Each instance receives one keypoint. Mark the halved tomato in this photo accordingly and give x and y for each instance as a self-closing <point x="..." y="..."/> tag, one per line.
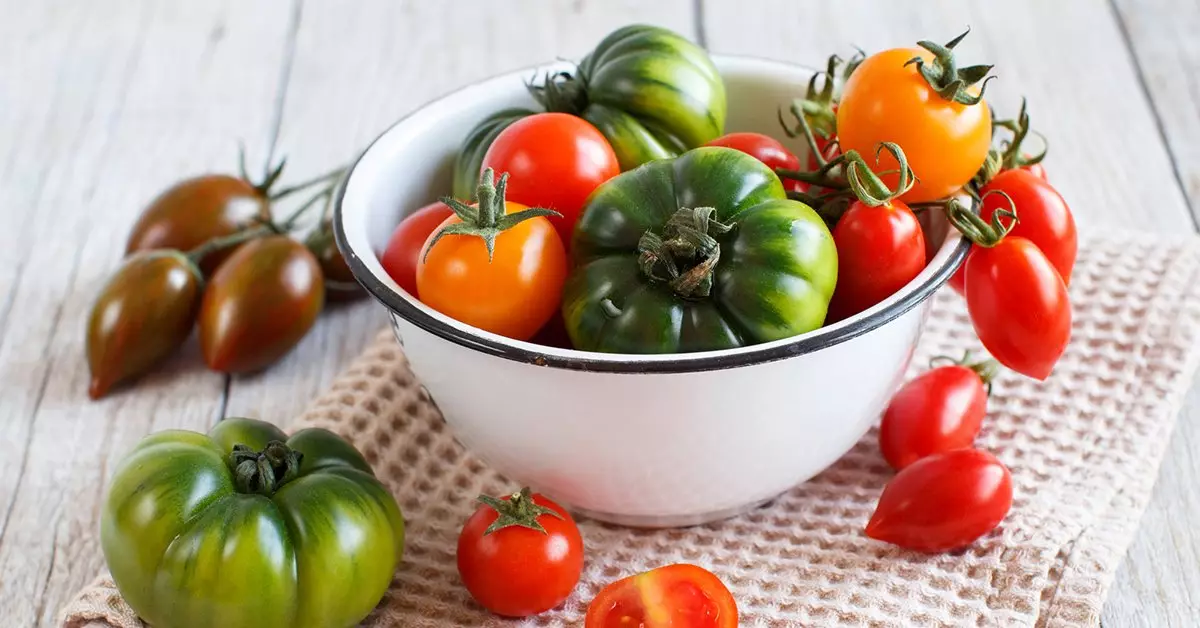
<point x="675" y="596"/>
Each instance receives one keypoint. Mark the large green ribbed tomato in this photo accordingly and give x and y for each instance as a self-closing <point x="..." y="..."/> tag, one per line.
<point x="696" y="253"/>
<point x="247" y="527"/>
<point x="651" y="92"/>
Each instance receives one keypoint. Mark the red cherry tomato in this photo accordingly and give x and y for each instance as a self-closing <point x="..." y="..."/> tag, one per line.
<point x="403" y="249"/>
<point x="1042" y="217"/>
<point x="880" y="249"/>
<point x="1037" y="170"/>
<point x="525" y="563"/>
<point x="939" y="410"/>
<point x="943" y="502"/>
<point x="675" y="596"/>
<point x="1018" y="305"/>
<point x="765" y="149"/>
<point x="554" y="161"/>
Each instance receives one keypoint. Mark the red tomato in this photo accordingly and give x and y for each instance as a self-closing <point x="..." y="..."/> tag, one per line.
<point x="1042" y="218"/>
<point x="767" y="150"/>
<point x="554" y="161"/>
<point x="403" y="249"/>
<point x="675" y="596"/>
<point x="1037" y="170"/>
<point x="880" y="249"/>
<point x="943" y="502"/>
<point x="939" y="410"/>
<point x="520" y="555"/>
<point x="1018" y="305"/>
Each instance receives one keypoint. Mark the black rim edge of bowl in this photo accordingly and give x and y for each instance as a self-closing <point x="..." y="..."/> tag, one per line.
<point x="685" y="363"/>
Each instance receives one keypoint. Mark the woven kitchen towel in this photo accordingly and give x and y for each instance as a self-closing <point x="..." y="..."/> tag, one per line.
<point x="1084" y="449"/>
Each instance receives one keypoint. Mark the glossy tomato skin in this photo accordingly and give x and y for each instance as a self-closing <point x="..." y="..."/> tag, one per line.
<point x="776" y="271"/>
<point x="885" y="101"/>
<point x="513" y="294"/>
<point x="675" y="596"/>
<point x="144" y="312"/>
<point x="403" y="251"/>
<point x="943" y="502"/>
<point x="189" y="548"/>
<point x="194" y="211"/>
<point x="517" y="571"/>
<point x="259" y="304"/>
<point x="1037" y="170"/>
<point x="469" y="162"/>
<point x="554" y="161"/>
<point x="1018" y="305"/>
<point x="880" y="249"/>
<point x="1043" y="218"/>
<point x="765" y="149"/>
<point x="939" y="410"/>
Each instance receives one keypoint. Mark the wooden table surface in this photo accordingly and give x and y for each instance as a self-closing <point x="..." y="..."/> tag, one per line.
<point x="105" y="102"/>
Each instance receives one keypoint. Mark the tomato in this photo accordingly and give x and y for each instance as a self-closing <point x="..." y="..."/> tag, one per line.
<point x="767" y="150"/>
<point x="939" y="410"/>
<point x="500" y="268"/>
<point x="143" y="313"/>
<point x="761" y="267"/>
<point x="469" y="162"/>
<point x="675" y="596"/>
<point x="340" y="284"/>
<point x="880" y="249"/>
<point x="1037" y="170"/>
<point x="196" y="210"/>
<point x="946" y="140"/>
<point x="943" y="502"/>
<point x="1042" y="218"/>
<point x="520" y="555"/>
<point x="259" y="304"/>
<point x="1018" y="305"/>
<point x="245" y="526"/>
<point x="554" y="161"/>
<point x="403" y="251"/>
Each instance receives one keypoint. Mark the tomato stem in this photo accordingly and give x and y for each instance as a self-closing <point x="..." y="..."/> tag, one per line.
<point x="288" y="191"/>
<point x="518" y="510"/>
<point x="264" y="472"/>
<point x="562" y="92"/>
<point x="213" y="245"/>
<point x="987" y="369"/>
<point x="975" y="228"/>
<point x="867" y="187"/>
<point x="488" y="218"/>
<point x="1012" y="156"/>
<point x="684" y="255"/>
<point x="946" y="78"/>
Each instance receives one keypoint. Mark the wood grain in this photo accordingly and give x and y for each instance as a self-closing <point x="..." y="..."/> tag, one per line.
<point x="105" y="103"/>
<point x="1097" y="119"/>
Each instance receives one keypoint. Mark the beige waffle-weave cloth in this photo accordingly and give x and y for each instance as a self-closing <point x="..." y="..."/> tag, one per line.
<point x="1084" y="448"/>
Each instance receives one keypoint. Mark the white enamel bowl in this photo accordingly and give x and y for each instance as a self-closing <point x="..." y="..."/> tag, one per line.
<point x="645" y="440"/>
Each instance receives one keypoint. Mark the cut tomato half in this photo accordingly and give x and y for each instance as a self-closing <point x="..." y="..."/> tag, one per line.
<point x="675" y="596"/>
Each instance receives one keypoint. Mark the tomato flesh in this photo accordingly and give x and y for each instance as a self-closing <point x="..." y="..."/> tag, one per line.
<point x="675" y="596"/>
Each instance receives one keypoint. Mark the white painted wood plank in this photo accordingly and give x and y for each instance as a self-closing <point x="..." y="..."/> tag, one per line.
<point x="105" y="103"/>
<point x="1070" y="59"/>
<point x="356" y="71"/>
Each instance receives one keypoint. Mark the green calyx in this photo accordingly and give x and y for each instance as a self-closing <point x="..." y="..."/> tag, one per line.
<point x="684" y="255"/>
<point x="518" y="510"/>
<point x="987" y="369"/>
<point x="992" y="165"/>
<point x="946" y="78"/>
<point x="562" y="92"/>
<point x="487" y="218"/>
<point x="1012" y="156"/>
<point x="975" y="228"/>
<point x="264" y="472"/>
<point x="867" y="187"/>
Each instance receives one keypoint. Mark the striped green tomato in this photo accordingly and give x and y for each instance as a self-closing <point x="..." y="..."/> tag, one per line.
<point x="244" y="526"/>
<point x="651" y="92"/>
<point x="697" y="253"/>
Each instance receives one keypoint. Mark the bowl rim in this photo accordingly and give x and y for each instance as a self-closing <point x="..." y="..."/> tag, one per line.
<point x="910" y="296"/>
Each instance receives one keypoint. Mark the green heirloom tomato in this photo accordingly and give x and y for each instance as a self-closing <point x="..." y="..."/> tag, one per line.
<point x="247" y="527"/>
<point x="651" y="92"/>
<point x="696" y="253"/>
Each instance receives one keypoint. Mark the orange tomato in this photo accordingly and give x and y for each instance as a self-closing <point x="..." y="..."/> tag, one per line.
<point x="884" y="100"/>
<point x="675" y="596"/>
<point x="512" y="294"/>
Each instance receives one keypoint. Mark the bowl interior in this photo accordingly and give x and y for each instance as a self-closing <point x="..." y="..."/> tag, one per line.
<point x="410" y="165"/>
